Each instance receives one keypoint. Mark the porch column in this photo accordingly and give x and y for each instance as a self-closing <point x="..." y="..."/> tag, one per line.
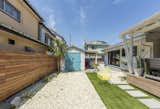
<point x="129" y="52"/>
<point x="96" y="59"/>
<point x="120" y="57"/>
<point x="109" y="58"/>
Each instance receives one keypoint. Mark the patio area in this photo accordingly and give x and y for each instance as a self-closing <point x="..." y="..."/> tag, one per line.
<point x="67" y="91"/>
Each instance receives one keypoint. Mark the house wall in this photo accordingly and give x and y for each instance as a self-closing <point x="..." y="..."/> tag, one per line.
<point x="20" y="43"/>
<point x="29" y="21"/>
<point x="29" y="25"/>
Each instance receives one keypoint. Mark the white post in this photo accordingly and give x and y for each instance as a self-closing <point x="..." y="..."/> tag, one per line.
<point x="96" y="59"/>
<point x="120" y="57"/>
<point x="129" y="52"/>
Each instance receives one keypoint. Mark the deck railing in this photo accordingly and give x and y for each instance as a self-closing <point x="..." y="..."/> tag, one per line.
<point x="152" y="68"/>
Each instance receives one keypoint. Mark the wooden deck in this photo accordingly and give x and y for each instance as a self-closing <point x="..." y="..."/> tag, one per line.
<point x="148" y="85"/>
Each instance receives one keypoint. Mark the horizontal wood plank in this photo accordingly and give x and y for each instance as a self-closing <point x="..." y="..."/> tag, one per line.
<point x="20" y="69"/>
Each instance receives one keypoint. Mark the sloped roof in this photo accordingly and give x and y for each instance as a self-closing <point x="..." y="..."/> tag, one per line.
<point x="96" y="43"/>
<point x="74" y="47"/>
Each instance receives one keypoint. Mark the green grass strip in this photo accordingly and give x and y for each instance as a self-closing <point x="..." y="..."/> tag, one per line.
<point x="112" y="96"/>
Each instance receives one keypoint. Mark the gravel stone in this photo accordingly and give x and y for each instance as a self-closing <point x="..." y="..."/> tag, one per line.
<point x="67" y="91"/>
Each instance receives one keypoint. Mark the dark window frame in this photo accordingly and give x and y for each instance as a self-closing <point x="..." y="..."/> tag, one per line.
<point x="11" y="41"/>
<point x="135" y="50"/>
<point x="2" y="8"/>
<point x="18" y="19"/>
<point x="46" y="38"/>
<point x="123" y="52"/>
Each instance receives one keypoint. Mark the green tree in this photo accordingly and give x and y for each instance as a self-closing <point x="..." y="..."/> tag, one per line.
<point x="58" y="48"/>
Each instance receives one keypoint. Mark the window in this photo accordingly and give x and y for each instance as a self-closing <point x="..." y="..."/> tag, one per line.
<point x="49" y="41"/>
<point x="123" y="52"/>
<point x="46" y="38"/>
<point x="10" y="10"/>
<point x="135" y="51"/>
<point x="42" y="35"/>
<point x="93" y="47"/>
<point x="11" y="41"/>
<point x="1" y="4"/>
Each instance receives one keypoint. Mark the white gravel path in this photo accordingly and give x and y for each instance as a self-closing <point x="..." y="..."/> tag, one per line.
<point x="67" y="91"/>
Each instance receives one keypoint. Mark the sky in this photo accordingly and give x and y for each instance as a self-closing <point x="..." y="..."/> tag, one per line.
<point x="87" y="20"/>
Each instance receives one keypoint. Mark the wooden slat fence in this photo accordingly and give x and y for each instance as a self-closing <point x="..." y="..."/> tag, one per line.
<point x="19" y="69"/>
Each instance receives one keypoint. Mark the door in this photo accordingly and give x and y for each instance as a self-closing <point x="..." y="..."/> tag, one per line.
<point x="72" y="61"/>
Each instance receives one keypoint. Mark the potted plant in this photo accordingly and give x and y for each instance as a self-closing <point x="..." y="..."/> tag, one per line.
<point x="138" y="70"/>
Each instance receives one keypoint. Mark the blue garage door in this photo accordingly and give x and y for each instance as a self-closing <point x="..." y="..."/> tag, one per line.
<point x="72" y="61"/>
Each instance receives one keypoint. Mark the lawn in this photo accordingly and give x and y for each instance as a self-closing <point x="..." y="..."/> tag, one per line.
<point x="112" y="96"/>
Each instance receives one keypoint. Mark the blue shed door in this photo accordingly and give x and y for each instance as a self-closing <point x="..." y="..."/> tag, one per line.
<point x="72" y="61"/>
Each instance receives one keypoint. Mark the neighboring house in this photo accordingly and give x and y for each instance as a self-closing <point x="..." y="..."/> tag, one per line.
<point x="22" y="28"/>
<point x="94" y="53"/>
<point x="74" y="59"/>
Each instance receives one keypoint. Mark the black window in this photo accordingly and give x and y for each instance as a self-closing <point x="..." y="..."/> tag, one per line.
<point x="93" y="47"/>
<point x="123" y="52"/>
<point x="1" y="4"/>
<point x="135" y="51"/>
<point x="8" y="8"/>
<point x="11" y="41"/>
<point x="46" y="38"/>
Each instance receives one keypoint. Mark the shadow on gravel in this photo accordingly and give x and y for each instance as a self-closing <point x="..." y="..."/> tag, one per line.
<point x="20" y="98"/>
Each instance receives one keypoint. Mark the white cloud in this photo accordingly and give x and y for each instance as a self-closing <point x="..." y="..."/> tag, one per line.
<point x="115" y="2"/>
<point x="51" y="22"/>
<point x="82" y="15"/>
<point x="50" y="17"/>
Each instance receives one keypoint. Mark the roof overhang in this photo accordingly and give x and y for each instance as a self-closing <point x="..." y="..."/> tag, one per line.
<point x="143" y="27"/>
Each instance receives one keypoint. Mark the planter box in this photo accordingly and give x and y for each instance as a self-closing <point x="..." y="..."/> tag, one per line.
<point x="148" y="85"/>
